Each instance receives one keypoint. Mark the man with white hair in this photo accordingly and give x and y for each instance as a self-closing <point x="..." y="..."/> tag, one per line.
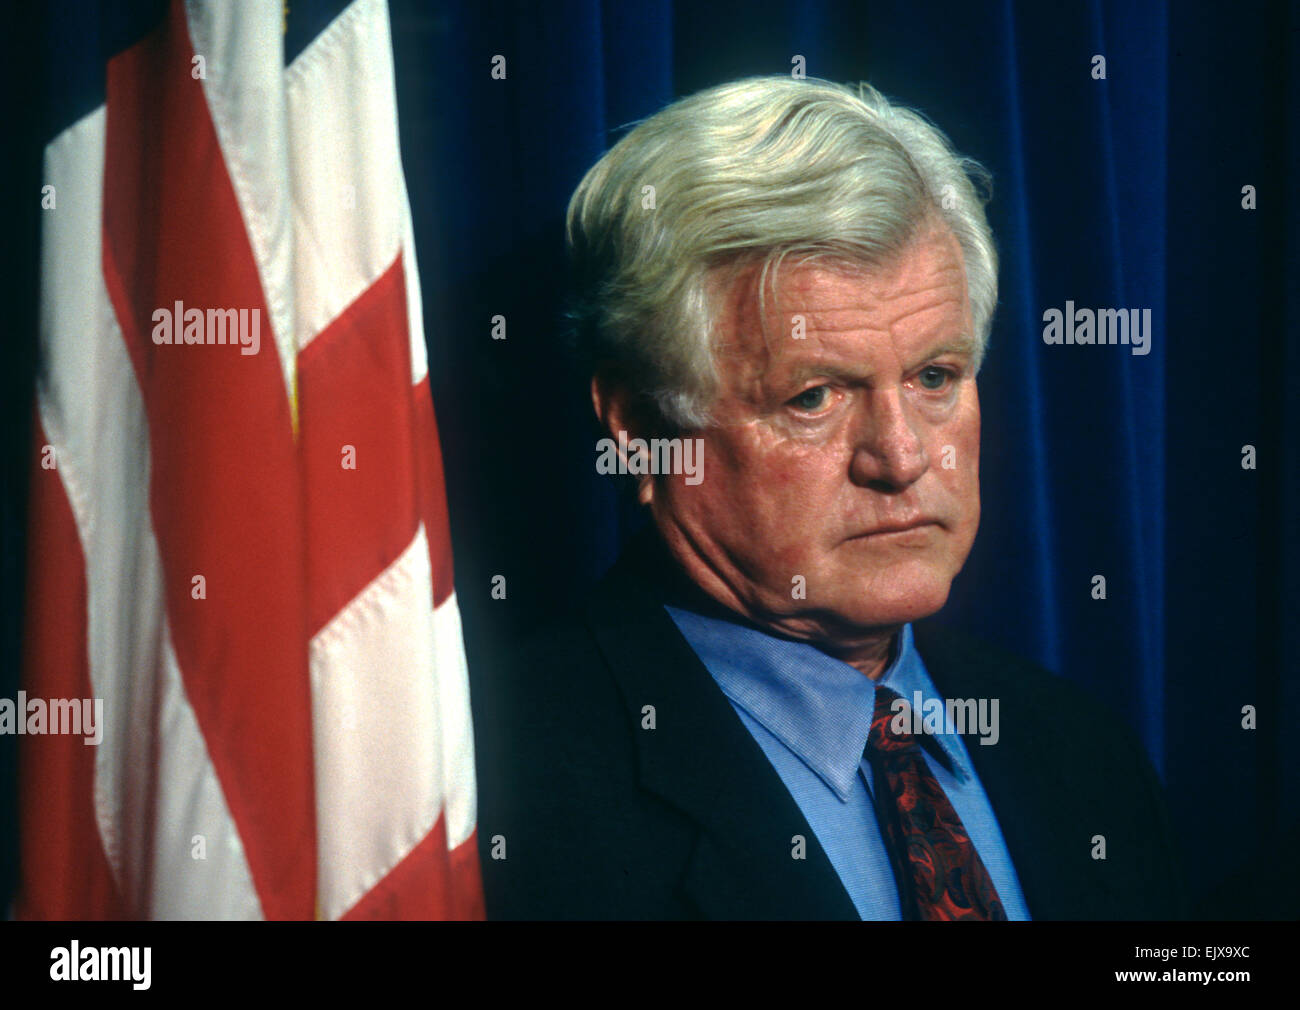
<point x="744" y="721"/>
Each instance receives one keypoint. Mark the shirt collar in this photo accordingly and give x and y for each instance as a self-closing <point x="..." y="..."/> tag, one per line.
<point x="817" y="706"/>
<point x="908" y="677"/>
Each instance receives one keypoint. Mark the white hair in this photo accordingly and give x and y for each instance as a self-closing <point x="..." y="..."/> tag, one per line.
<point x="753" y="172"/>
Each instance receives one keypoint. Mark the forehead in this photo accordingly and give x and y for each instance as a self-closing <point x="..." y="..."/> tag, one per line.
<point x="916" y="297"/>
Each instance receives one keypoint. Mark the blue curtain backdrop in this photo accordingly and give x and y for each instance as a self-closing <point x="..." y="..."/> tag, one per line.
<point x="1124" y="192"/>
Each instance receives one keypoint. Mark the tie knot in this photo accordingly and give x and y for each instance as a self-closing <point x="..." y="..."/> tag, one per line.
<point x="891" y="725"/>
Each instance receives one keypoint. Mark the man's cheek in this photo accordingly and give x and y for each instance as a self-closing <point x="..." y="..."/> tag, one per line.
<point x="961" y="445"/>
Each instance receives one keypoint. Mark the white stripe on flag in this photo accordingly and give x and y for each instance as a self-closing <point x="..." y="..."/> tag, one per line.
<point x="344" y="163"/>
<point x="376" y="729"/>
<point x="460" y="797"/>
<point x="243" y="46"/>
<point x="91" y="409"/>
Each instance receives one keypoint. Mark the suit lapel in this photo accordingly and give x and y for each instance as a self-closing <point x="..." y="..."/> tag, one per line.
<point x="700" y="759"/>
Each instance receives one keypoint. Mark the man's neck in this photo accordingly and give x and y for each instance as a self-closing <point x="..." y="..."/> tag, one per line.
<point x="871" y="656"/>
<point x="869" y="653"/>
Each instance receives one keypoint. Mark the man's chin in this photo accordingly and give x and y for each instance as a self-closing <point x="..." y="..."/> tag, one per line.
<point x="901" y="603"/>
<point x="846" y="620"/>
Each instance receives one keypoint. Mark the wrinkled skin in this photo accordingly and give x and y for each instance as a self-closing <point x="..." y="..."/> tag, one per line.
<point x="826" y="458"/>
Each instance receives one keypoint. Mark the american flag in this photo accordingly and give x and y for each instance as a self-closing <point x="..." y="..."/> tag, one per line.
<point x="245" y="555"/>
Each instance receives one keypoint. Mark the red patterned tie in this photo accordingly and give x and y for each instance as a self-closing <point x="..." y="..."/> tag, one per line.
<point x="948" y="879"/>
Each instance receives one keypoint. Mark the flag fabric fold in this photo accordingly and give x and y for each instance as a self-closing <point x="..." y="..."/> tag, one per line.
<point x="238" y="536"/>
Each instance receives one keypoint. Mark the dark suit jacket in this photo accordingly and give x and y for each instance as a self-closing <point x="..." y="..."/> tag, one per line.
<point x="604" y="819"/>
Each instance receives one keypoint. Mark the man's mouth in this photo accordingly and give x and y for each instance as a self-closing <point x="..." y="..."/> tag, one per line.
<point x="916" y="527"/>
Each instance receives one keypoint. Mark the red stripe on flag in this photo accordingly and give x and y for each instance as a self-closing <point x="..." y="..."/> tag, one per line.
<point x="433" y="493"/>
<point x="224" y="494"/>
<point x="66" y="873"/>
<point x="354" y="382"/>
<point x="467" y="880"/>
<point x="430" y="883"/>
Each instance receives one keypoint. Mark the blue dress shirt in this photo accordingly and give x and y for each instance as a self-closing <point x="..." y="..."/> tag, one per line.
<point x="811" y="713"/>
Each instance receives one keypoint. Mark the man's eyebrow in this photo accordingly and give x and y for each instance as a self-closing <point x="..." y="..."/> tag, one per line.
<point x="847" y="371"/>
<point x="962" y="345"/>
<point x="854" y="372"/>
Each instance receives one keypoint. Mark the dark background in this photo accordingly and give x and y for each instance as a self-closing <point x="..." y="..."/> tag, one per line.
<point x="1123" y="192"/>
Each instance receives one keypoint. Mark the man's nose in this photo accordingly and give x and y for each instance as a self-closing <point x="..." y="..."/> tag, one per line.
<point x="888" y="453"/>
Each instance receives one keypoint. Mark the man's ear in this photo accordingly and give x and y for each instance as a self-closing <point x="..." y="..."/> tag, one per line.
<point x="617" y="408"/>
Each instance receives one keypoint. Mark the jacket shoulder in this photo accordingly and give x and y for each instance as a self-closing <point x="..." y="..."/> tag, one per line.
<point x="1101" y="830"/>
<point x="565" y="832"/>
<point x="962" y="665"/>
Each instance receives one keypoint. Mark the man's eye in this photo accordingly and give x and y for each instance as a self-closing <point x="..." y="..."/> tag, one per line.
<point x="811" y="399"/>
<point x="934" y="377"/>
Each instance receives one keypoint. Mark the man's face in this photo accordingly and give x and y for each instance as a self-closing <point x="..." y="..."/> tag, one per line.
<point x="840" y="491"/>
